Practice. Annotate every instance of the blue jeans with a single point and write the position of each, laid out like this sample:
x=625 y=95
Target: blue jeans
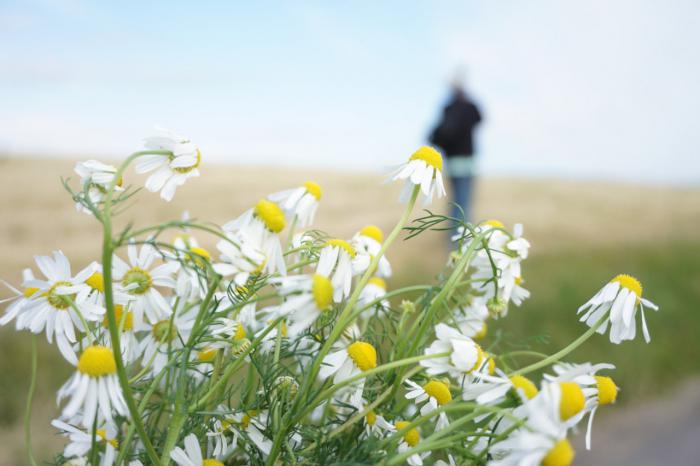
x=462 y=196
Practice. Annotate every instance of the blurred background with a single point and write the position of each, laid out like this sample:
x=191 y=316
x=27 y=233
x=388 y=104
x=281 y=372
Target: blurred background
x=589 y=137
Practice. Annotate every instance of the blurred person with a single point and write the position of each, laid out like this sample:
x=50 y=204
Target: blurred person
x=454 y=135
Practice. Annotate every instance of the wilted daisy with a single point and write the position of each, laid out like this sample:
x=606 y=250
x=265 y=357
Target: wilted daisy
x=369 y=241
x=171 y=170
x=94 y=388
x=598 y=390
x=429 y=397
x=191 y=455
x=424 y=169
x=465 y=356
x=261 y=226
x=81 y=441
x=300 y=203
x=308 y=296
x=139 y=280
x=96 y=178
x=56 y=304
x=340 y=261
x=410 y=439
x=620 y=300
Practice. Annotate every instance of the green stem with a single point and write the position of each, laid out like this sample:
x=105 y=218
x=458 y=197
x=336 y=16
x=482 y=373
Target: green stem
x=563 y=352
x=28 y=410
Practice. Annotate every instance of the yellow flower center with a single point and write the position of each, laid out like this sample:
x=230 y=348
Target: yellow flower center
x=200 y=256
x=342 y=244
x=572 y=400
x=479 y=358
x=59 y=301
x=363 y=355
x=103 y=434
x=373 y=232
x=371 y=418
x=322 y=289
x=492 y=366
x=162 y=331
x=439 y=391
x=270 y=214
x=29 y=292
x=119 y=314
x=240 y=332
x=97 y=361
x=96 y=282
x=412 y=437
x=494 y=223
x=377 y=281
x=207 y=354
x=519 y=281
x=245 y=421
x=211 y=462
x=607 y=390
x=428 y=155
x=190 y=168
x=140 y=277
x=561 y=455
x=525 y=385
x=313 y=189
x=629 y=282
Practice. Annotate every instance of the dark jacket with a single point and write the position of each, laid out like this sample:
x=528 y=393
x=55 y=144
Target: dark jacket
x=454 y=132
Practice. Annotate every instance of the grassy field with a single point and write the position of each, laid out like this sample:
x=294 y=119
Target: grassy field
x=582 y=235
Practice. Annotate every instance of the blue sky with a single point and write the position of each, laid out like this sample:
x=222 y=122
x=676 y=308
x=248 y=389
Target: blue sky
x=592 y=89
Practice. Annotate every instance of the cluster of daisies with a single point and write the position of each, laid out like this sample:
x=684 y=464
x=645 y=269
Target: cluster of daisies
x=281 y=345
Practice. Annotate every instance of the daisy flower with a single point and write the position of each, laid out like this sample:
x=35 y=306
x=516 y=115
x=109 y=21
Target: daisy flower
x=94 y=388
x=374 y=290
x=17 y=301
x=430 y=396
x=81 y=441
x=261 y=226
x=239 y=257
x=252 y=424
x=189 y=284
x=340 y=261
x=620 y=299
x=424 y=169
x=95 y=178
x=471 y=319
x=308 y=296
x=410 y=439
x=491 y=389
x=375 y=424
x=348 y=362
x=139 y=278
x=598 y=390
x=57 y=306
x=163 y=336
x=192 y=454
x=171 y=170
x=300 y=203
x=128 y=342
x=465 y=355
x=369 y=241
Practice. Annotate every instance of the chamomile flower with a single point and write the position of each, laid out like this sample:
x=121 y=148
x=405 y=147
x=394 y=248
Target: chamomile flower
x=261 y=226
x=139 y=278
x=94 y=388
x=190 y=285
x=340 y=261
x=191 y=455
x=410 y=439
x=252 y=424
x=429 y=397
x=348 y=362
x=220 y=434
x=308 y=296
x=128 y=342
x=620 y=299
x=239 y=257
x=17 y=301
x=491 y=389
x=163 y=336
x=95 y=179
x=471 y=319
x=598 y=390
x=373 y=291
x=300 y=203
x=81 y=441
x=465 y=356
x=424 y=169
x=376 y=425
x=57 y=305
x=369 y=241
x=170 y=170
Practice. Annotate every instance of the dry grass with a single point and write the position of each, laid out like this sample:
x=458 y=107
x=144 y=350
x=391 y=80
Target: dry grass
x=38 y=217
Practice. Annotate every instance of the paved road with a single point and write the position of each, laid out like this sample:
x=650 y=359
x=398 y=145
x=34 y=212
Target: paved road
x=663 y=432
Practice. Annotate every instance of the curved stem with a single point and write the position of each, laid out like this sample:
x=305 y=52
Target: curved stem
x=28 y=410
x=563 y=352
